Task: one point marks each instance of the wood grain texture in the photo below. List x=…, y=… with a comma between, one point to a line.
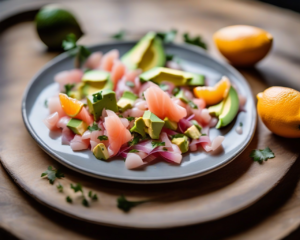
x=30, y=49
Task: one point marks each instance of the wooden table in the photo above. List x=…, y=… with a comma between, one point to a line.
x=275, y=216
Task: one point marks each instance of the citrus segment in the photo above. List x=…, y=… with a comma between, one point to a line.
x=70, y=106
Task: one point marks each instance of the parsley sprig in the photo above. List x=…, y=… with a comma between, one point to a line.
x=130, y=118
x=119, y=35
x=68, y=87
x=260, y=155
x=94, y=127
x=157, y=144
x=52, y=174
x=197, y=41
x=97, y=96
x=102, y=138
x=126, y=205
x=167, y=37
x=78, y=188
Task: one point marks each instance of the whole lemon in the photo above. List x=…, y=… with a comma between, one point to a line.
x=243, y=45
x=279, y=110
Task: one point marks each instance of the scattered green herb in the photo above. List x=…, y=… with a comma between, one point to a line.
x=78, y=188
x=165, y=149
x=203, y=134
x=164, y=87
x=143, y=96
x=130, y=84
x=130, y=118
x=119, y=36
x=120, y=116
x=167, y=37
x=69, y=199
x=103, y=137
x=169, y=57
x=52, y=174
x=157, y=144
x=46, y=103
x=197, y=41
x=92, y=196
x=133, y=151
x=97, y=96
x=60, y=188
x=260, y=155
x=94, y=127
x=126, y=205
x=85, y=202
x=192, y=105
x=175, y=90
x=178, y=135
x=241, y=124
x=68, y=88
x=135, y=140
x=70, y=42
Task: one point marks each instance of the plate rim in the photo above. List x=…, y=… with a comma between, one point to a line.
x=48, y=150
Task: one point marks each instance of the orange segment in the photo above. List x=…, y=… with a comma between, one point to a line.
x=70, y=106
x=215, y=94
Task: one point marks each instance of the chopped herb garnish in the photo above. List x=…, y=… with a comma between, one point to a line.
x=133, y=151
x=203, y=134
x=157, y=144
x=119, y=36
x=46, y=103
x=120, y=116
x=94, y=127
x=197, y=41
x=241, y=124
x=130, y=118
x=68, y=88
x=80, y=52
x=164, y=87
x=167, y=37
x=169, y=57
x=92, y=196
x=52, y=174
x=78, y=188
x=85, y=105
x=103, y=137
x=143, y=96
x=69, y=199
x=85, y=202
x=175, y=90
x=135, y=140
x=130, y=84
x=165, y=149
x=192, y=105
x=97, y=96
x=60, y=188
x=178, y=135
x=260, y=155
x=126, y=205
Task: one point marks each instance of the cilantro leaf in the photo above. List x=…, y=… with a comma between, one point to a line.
x=69, y=199
x=175, y=90
x=261, y=155
x=126, y=205
x=164, y=87
x=165, y=149
x=103, y=137
x=167, y=37
x=135, y=140
x=68, y=88
x=119, y=35
x=120, y=116
x=94, y=127
x=169, y=57
x=97, y=96
x=92, y=196
x=70, y=42
x=46, y=103
x=203, y=134
x=157, y=144
x=192, y=105
x=178, y=135
x=130, y=118
x=129, y=84
x=197, y=41
x=60, y=188
x=52, y=174
x=241, y=124
x=77, y=187
x=133, y=151
x=85, y=202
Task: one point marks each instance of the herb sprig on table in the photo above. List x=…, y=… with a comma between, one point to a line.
x=260, y=155
x=125, y=205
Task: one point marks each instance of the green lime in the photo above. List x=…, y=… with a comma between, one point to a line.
x=54, y=23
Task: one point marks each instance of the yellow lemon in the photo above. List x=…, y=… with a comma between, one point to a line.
x=243, y=45
x=278, y=108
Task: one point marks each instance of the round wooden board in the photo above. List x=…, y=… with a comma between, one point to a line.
x=226, y=191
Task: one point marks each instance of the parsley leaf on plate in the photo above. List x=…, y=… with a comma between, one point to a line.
x=169, y=57
x=261, y=155
x=164, y=87
x=119, y=35
x=241, y=124
x=68, y=87
x=103, y=137
x=46, y=103
x=129, y=84
x=167, y=37
x=157, y=144
x=52, y=174
x=192, y=105
x=126, y=205
x=97, y=96
x=133, y=151
x=135, y=140
x=92, y=196
x=69, y=199
x=130, y=118
x=94, y=127
x=197, y=41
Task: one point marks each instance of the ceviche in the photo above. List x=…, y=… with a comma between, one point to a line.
x=140, y=106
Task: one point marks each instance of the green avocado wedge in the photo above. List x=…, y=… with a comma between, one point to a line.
x=230, y=108
x=146, y=54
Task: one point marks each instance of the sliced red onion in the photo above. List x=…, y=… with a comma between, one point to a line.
x=164, y=138
x=133, y=161
x=203, y=139
x=169, y=131
x=150, y=158
x=190, y=117
x=183, y=125
x=171, y=157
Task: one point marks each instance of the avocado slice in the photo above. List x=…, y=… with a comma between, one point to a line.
x=193, y=132
x=230, y=108
x=197, y=80
x=195, y=123
x=126, y=101
x=100, y=152
x=216, y=110
x=153, y=124
x=139, y=127
x=182, y=142
x=146, y=54
x=75, y=94
x=77, y=126
x=103, y=99
x=170, y=124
